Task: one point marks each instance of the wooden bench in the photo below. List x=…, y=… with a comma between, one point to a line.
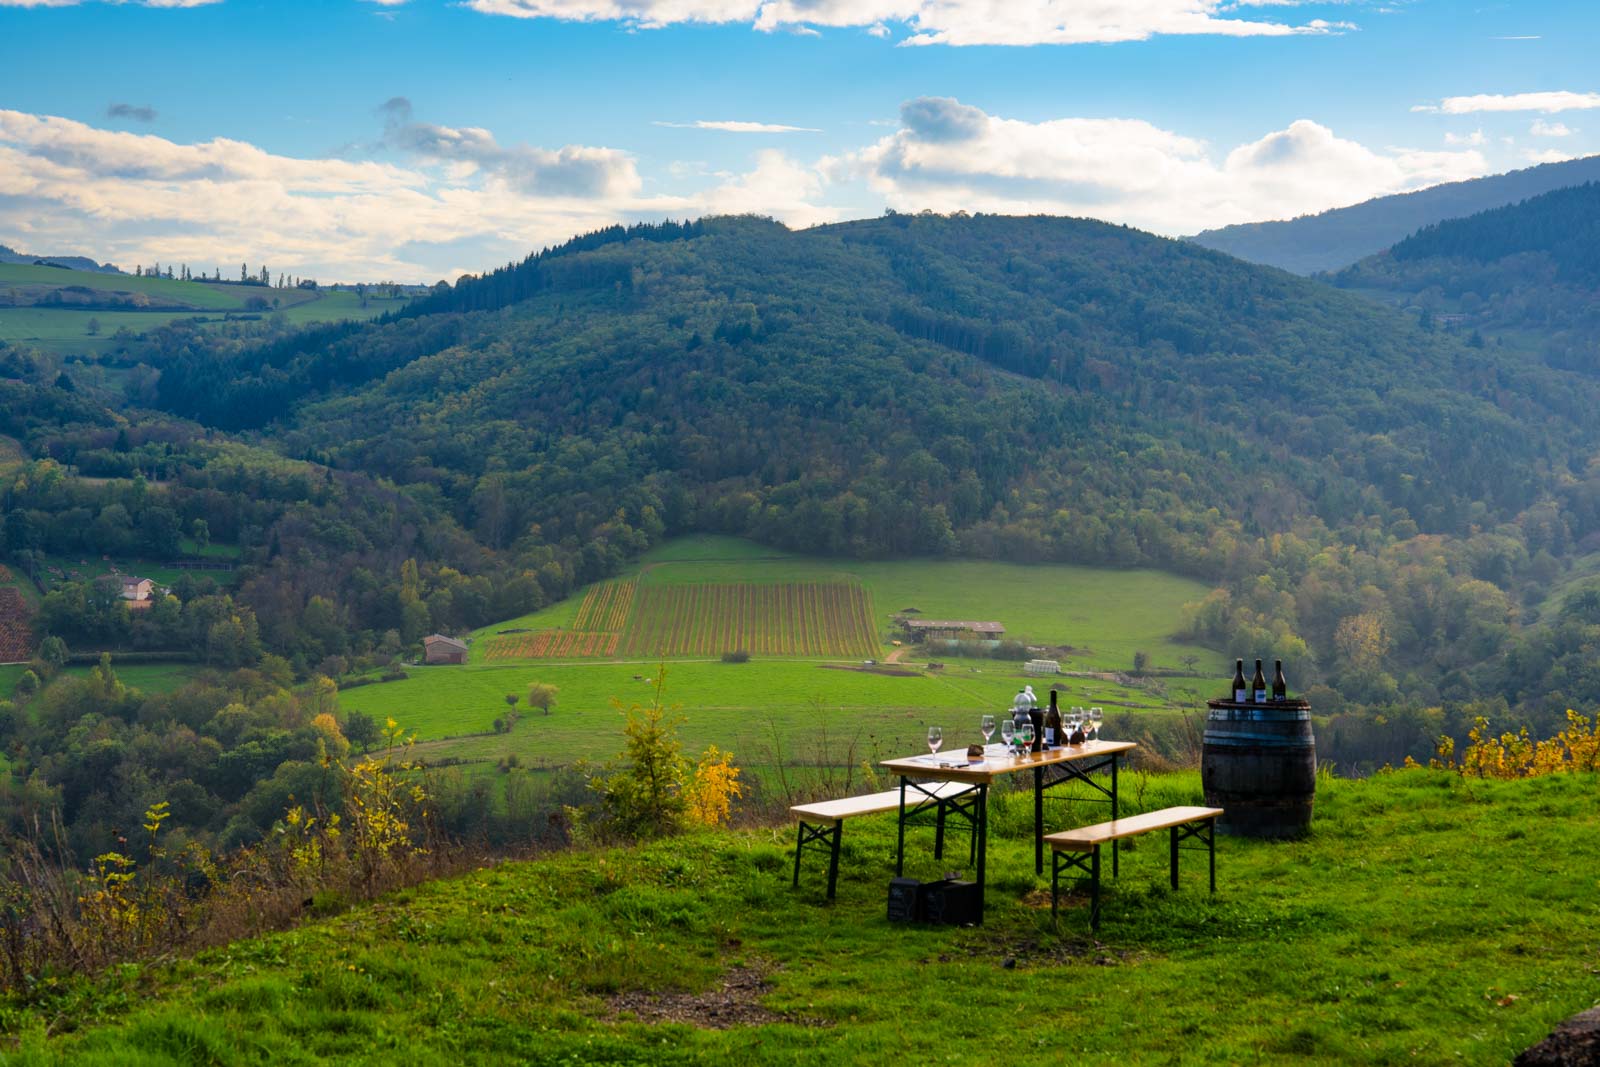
x=1080, y=848
x=822, y=823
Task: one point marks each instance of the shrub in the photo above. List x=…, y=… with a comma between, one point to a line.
x=642, y=791
x=737, y=656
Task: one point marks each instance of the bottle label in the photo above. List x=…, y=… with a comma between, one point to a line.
x=1238, y=696
x=1261, y=696
x=1049, y=735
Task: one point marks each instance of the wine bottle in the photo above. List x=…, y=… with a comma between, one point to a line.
x=1240, y=695
x=1280, y=685
x=1052, y=724
x=1258, y=686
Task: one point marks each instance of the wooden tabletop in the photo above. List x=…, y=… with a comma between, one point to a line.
x=954, y=767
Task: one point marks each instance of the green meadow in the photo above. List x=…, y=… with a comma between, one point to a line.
x=86, y=567
x=1427, y=919
x=751, y=708
x=67, y=328
x=782, y=703
x=147, y=677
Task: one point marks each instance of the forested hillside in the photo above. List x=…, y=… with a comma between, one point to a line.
x=1381, y=504
x=1027, y=389
x=1334, y=239
x=1524, y=275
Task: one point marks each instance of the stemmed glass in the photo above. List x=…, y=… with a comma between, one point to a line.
x=1008, y=732
x=1025, y=736
x=988, y=729
x=1095, y=717
x=1075, y=720
x=935, y=739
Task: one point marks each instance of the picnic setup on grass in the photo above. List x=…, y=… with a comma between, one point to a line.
x=1258, y=773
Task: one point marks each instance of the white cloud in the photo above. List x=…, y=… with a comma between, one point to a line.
x=779, y=187
x=447, y=197
x=950, y=156
x=1548, y=102
x=948, y=22
x=1548, y=155
x=729, y=126
x=1541, y=128
x=1473, y=139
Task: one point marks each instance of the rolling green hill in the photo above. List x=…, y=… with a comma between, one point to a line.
x=1335, y=239
x=1020, y=389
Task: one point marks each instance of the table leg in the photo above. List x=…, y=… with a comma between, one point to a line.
x=1114, y=812
x=900, y=848
x=983, y=843
x=1038, y=820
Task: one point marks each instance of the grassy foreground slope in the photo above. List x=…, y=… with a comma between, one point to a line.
x=1426, y=920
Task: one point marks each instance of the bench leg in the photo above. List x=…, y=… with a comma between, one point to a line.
x=1094, y=890
x=1211, y=847
x=900, y=843
x=799, y=844
x=1055, y=889
x=938, y=833
x=1172, y=836
x=833, y=859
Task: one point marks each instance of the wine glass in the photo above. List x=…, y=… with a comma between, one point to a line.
x=1008, y=732
x=1074, y=719
x=1096, y=716
x=988, y=729
x=1025, y=735
x=935, y=739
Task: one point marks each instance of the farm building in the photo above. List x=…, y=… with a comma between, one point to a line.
x=1042, y=666
x=951, y=630
x=137, y=592
x=437, y=648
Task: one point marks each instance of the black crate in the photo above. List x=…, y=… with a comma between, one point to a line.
x=905, y=900
x=950, y=902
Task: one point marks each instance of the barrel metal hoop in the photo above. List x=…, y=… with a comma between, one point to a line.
x=1258, y=715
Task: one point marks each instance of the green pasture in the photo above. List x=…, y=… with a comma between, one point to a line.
x=9, y=673
x=1104, y=615
x=67, y=329
x=146, y=677
x=1426, y=920
x=330, y=305
x=196, y=294
x=87, y=567
x=759, y=710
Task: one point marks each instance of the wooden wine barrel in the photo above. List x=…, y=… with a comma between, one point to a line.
x=1259, y=764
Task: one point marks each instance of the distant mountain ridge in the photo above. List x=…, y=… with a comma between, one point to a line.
x=1526, y=274
x=1336, y=239
x=11, y=255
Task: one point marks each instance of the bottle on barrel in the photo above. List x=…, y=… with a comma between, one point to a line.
x=1240, y=694
x=1280, y=684
x=1258, y=686
x=1052, y=724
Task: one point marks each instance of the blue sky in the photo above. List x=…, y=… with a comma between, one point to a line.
x=413, y=140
